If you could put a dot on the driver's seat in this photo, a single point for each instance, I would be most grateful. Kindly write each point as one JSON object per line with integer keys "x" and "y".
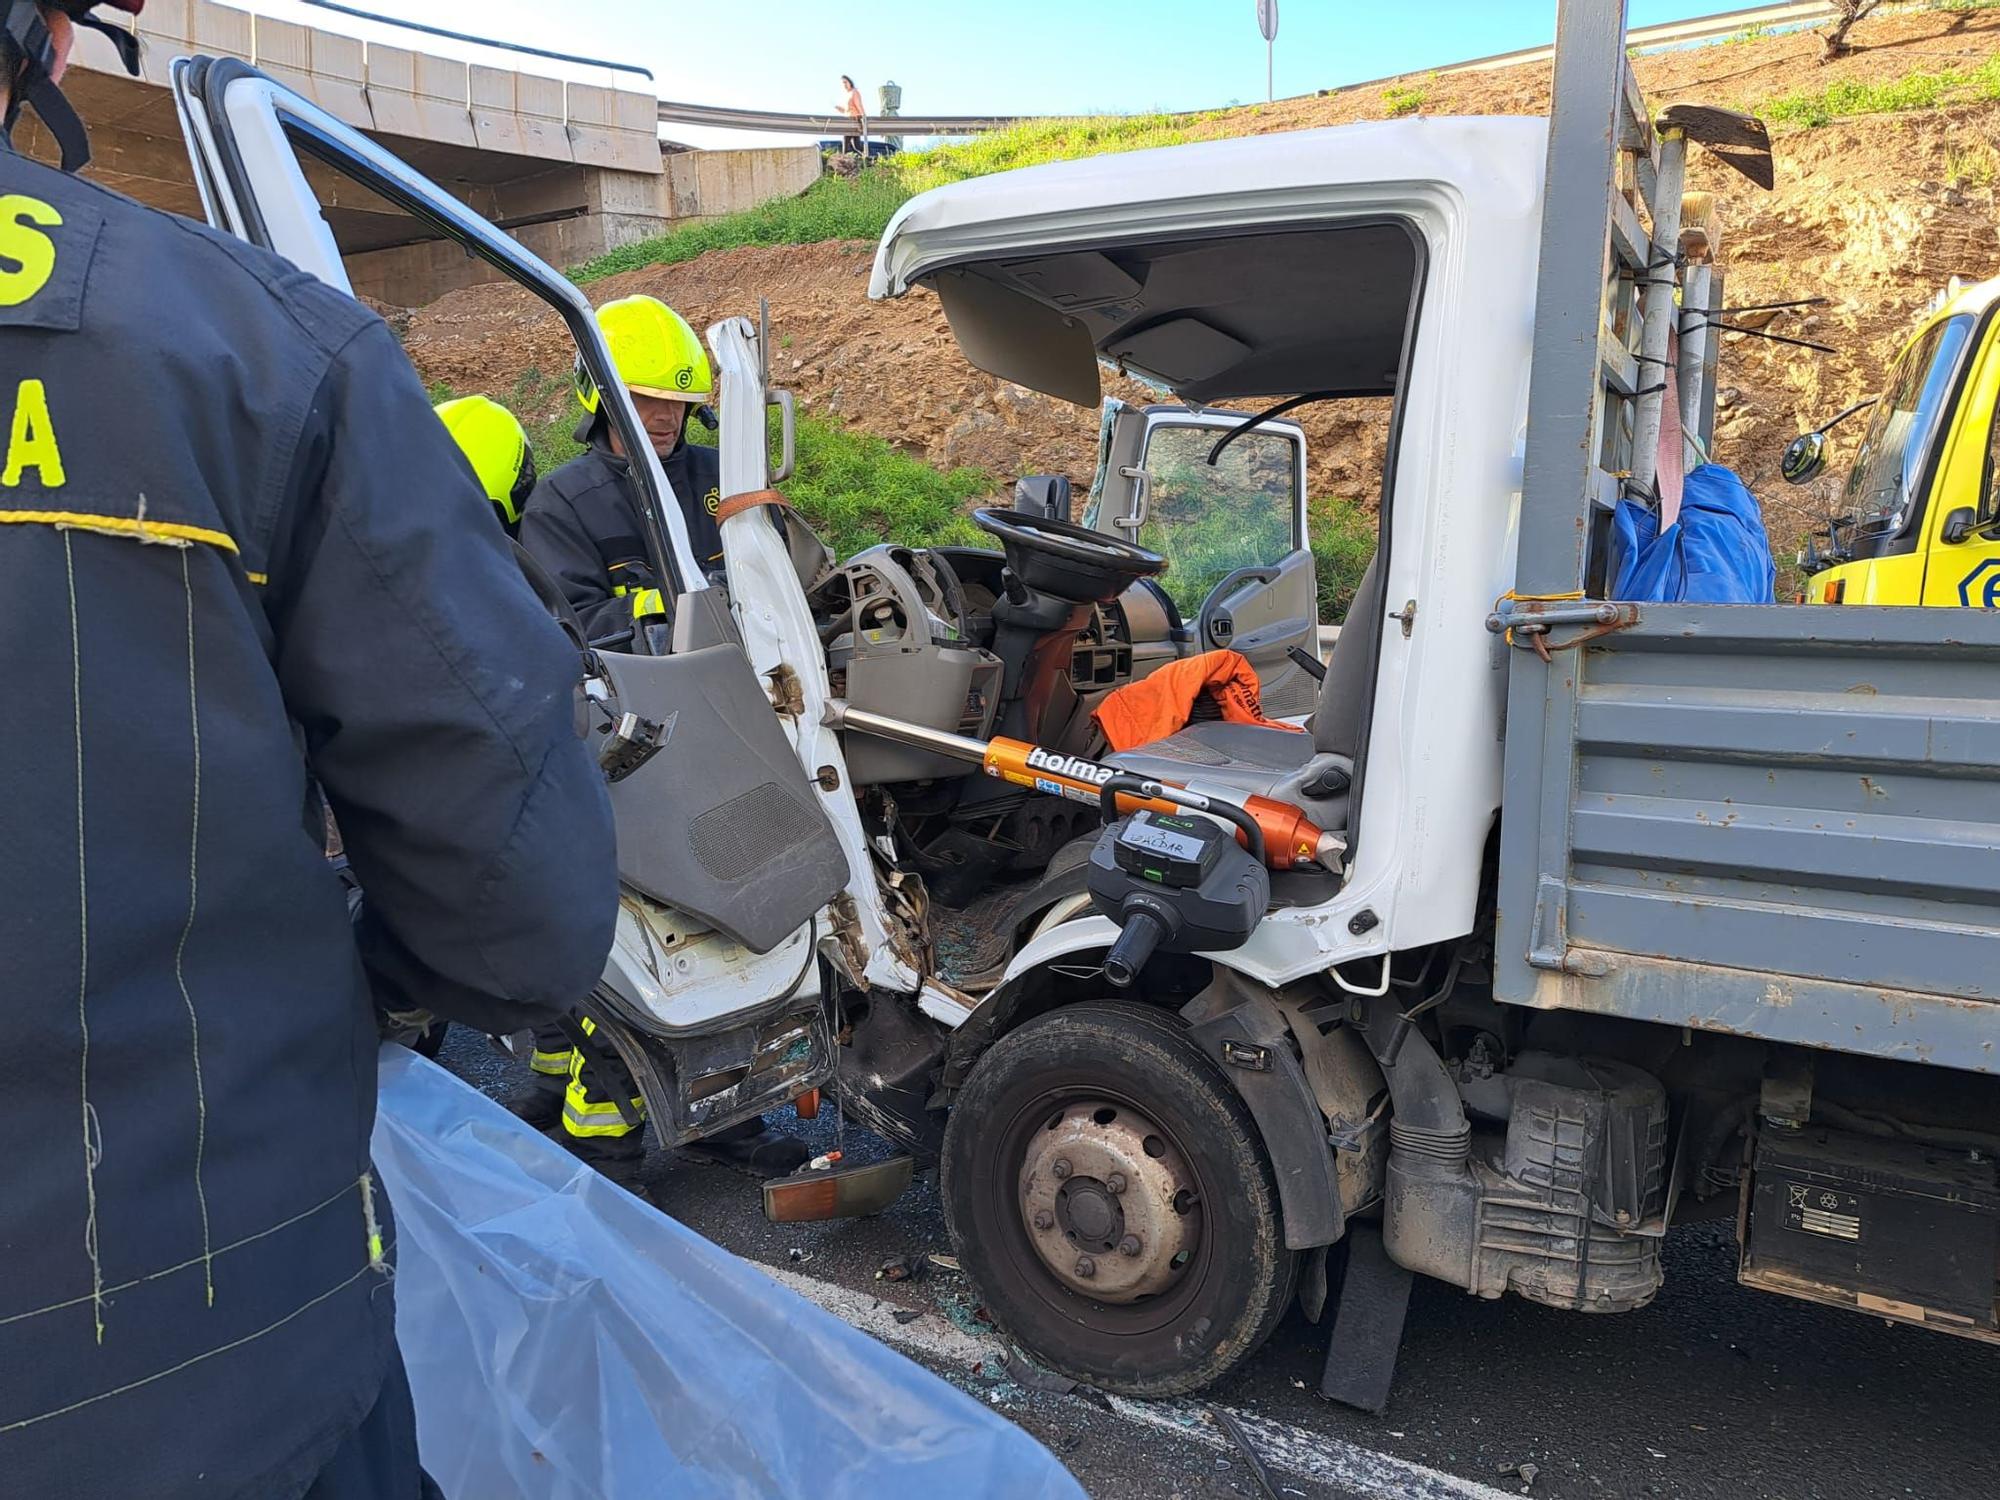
{"x": 1310, "y": 770}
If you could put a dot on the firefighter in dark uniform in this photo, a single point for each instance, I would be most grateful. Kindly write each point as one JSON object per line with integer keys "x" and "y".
{"x": 242, "y": 568}
{"x": 582, "y": 524}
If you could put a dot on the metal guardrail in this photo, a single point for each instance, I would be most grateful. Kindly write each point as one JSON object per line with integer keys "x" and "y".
{"x": 1672, "y": 33}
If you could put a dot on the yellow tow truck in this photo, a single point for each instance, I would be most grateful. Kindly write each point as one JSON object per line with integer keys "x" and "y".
{"x": 1918, "y": 521}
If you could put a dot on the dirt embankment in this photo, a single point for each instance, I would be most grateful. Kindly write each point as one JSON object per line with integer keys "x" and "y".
{"x": 1874, "y": 213}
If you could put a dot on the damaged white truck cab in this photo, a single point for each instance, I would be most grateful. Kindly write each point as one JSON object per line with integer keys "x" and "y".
{"x": 1370, "y": 262}
{"x": 1610, "y": 915}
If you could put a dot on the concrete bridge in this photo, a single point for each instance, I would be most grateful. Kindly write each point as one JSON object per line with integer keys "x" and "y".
{"x": 571, "y": 169}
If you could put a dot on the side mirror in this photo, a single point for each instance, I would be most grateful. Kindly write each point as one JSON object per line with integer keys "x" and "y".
{"x": 1805, "y": 457}
{"x": 1043, "y": 495}
{"x": 1960, "y": 525}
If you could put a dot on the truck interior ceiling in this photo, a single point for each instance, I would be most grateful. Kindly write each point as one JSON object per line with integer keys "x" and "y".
{"x": 1240, "y": 316}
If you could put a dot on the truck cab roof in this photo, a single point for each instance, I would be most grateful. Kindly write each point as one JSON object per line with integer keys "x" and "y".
{"x": 1954, "y": 300}
{"x": 1260, "y": 266}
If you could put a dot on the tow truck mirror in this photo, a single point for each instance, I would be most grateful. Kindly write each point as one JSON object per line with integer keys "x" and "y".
{"x": 1959, "y": 525}
{"x": 1805, "y": 457}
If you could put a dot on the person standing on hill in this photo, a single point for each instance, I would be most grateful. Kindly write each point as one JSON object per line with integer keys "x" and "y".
{"x": 245, "y": 574}
{"x": 852, "y": 107}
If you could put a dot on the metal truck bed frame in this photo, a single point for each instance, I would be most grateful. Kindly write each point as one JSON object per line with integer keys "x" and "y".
{"x": 1780, "y": 821}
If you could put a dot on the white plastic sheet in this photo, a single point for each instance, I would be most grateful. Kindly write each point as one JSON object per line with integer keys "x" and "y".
{"x": 567, "y": 1342}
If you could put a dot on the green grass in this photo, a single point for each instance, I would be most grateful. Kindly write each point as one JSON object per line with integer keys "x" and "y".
{"x": 855, "y": 489}
{"x": 1034, "y": 142}
{"x": 1343, "y": 537}
{"x": 860, "y": 207}
{"x": 833, "y": 208}
{"x": 1404, "y": 99}
{"x": 1913, "y": 91}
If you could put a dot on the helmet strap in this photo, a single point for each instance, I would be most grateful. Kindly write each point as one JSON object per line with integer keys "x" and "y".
{"x": 125, "y": 41}
{"x": 39, "y": 93}
{"x": 25, "y": 42}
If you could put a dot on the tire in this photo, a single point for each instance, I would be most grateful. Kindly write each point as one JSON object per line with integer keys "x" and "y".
{"x": 1217, "y": 1276}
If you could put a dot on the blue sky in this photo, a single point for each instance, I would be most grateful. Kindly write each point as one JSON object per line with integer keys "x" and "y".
{"x": 992, "y": 56}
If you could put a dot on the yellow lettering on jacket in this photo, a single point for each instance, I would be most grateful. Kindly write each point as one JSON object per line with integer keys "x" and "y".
{"x": 31, "y": 440}
{"x": 27, "y": 256}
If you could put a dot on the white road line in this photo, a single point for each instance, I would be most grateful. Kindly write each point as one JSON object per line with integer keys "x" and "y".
{"x": 1319, "y": 1457}
{"x": 1316, "y": 1456}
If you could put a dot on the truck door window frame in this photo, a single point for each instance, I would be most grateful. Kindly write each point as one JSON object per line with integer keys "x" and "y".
{"x": 303, "y": 128}
{"x": 1940, "y": 356}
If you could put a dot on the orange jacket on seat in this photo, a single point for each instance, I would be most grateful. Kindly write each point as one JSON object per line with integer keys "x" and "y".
{"x": 1157, "y": 706}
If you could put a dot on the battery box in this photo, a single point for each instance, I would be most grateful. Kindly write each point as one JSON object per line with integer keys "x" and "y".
{"x": 1890, "y": 1227}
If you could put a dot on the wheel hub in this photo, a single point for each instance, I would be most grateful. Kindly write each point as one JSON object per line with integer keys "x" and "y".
{"x": 1109, "y": 1204}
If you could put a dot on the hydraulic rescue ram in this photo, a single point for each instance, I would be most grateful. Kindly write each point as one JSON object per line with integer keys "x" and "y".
{"x": 1290, "y": 838}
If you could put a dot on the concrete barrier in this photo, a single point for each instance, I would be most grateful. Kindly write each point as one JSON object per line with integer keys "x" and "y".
{"x": 707, "y": 184}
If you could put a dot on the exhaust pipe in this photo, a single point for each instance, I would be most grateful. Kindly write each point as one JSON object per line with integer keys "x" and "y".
{"x": 1430, "y": 1210}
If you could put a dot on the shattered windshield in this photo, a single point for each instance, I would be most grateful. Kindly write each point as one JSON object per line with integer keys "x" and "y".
{"x": 1889, "y": 466}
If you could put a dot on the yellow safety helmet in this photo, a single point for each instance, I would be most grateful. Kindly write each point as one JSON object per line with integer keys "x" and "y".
{"x": 497, "y": 446}
{"x": 655, "y": 351}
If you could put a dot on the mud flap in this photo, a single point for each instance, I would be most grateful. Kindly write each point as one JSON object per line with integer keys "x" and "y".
{"x": 885, "y": 1072}
{"x": 1254, "y": 1048}
{"x": 1368, "y": 1328}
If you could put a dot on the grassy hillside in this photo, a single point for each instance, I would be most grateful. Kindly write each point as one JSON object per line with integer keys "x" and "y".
{"x": 852, "y": 486}
{"x": 857, "y": 490}
{"x": 860, "y": 207}
{"x": 1889, "y": 185}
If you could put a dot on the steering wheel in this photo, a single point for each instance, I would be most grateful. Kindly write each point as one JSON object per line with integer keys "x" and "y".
{"x": 1066, "y": 560}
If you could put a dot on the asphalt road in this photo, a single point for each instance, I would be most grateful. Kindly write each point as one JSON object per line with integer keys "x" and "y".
{"x": 1713, "y": 1391}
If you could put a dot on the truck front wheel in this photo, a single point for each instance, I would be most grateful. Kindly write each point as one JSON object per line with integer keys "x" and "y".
{"x": 1108, "y": 1194}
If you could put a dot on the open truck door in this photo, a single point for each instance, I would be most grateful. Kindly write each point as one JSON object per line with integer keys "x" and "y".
{"x": 1241, "y": 575}
{"x": 744, "y": 876}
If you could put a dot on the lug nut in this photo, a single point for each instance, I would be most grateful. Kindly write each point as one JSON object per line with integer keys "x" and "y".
{"x": 1044, "y": 1220}
{"x": 1115, "y": 1183}
{"x": 1130, "y": 1245}
{"x": 1061, "y": 1168}
{"x": 1085, "y": 1266}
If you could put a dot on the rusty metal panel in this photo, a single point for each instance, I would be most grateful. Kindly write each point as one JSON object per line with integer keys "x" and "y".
{"x": 1782, "y": 821}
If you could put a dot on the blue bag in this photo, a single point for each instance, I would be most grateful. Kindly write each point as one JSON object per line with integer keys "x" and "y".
{"x": 1716, "y": 552}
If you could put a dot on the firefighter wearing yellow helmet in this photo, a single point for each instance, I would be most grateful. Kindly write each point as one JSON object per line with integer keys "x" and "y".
{"x": 582, "y": 522}
{"x": 496, "y": 445}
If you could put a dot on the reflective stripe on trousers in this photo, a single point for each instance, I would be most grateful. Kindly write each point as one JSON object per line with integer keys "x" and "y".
{"x": 588, "y": 1113}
